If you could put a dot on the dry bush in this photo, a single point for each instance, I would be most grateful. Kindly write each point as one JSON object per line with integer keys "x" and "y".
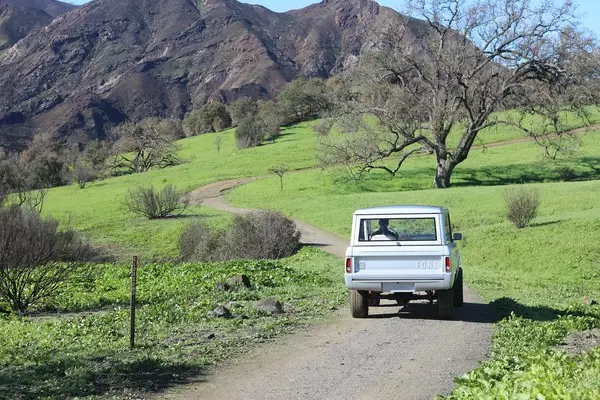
{"x": 198, "y": 242}
{"x": 521, "y": 206}
{"x": 259, "y": 235}
{"x": 154, "y": 204}
{"x": 37, "y": 258}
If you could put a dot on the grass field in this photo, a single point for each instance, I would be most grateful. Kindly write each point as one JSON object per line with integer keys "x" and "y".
{"x": 540, "y": 273}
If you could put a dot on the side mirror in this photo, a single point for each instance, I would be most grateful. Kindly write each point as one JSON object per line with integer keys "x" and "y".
{"x": 457, "y": 236}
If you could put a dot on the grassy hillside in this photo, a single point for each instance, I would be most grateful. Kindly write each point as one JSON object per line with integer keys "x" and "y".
{"x": 98, "y": 209}
{"x": 537, "y": 276}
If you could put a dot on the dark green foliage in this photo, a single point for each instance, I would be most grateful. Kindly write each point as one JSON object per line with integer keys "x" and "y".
{"x": 243, "y": 108}
{"x": 250, "y": 133}
{"x": 153, "y": 203}
{"x": 304, "y": 99}
{"x": 37, "y": 258}
{"x": 271, "y": 116}
{"x": 211, "y": 117}
{"x": 258, "y": 235}
{"x": 521, "y": 205}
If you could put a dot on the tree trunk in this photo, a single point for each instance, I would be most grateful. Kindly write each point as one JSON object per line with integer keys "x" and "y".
{"x": 443, "y": 173}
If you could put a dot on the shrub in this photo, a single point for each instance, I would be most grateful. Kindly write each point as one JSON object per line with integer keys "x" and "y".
{"x": 83, "y": 174}
{"x": 250, "y": 133}
{"x": 263, "y": 235}
{"x": 211, "y": 117}
{"x": 37, "y": 258}
{"x": 153, "y": 203}
{"x": 197, "y": 242}
{"x": 243, "y": 108}
{"x": 521, "y": 206}
{"x": 259, "y": 235}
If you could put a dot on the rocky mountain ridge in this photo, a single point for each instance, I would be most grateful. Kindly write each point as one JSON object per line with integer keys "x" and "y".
{"x": 114, "y": 60}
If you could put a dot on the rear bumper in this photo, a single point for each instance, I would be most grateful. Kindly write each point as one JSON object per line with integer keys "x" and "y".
{"x": 399, "y": 285}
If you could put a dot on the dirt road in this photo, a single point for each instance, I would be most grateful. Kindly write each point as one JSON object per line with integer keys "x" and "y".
{"x": 399, "y": 352}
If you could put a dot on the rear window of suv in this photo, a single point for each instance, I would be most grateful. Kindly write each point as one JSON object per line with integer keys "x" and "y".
{"x": 397, "y": 229}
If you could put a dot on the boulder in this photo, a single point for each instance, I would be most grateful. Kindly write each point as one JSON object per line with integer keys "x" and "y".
{"x": 219, "y": 312}
{"x": 270, "y": 306}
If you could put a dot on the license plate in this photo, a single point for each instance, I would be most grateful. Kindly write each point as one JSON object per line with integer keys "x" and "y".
{"x": 399, "y": 287}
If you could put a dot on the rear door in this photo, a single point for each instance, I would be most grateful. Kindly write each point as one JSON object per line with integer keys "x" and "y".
{"x": 398, "y": 247}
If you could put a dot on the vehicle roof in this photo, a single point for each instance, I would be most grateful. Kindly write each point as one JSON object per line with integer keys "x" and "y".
{"x": 401, "y": 210}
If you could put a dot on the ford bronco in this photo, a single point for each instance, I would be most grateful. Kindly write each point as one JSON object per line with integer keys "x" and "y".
{"x": 403, "y": 253}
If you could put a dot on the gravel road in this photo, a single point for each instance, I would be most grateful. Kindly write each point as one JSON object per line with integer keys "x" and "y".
{"x": 397, "y": 353}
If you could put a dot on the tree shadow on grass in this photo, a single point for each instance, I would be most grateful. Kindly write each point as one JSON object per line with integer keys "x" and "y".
{"x": 588, "y": 168}
{"x": 67, "y": 377}
{"x": 506, "y": 306}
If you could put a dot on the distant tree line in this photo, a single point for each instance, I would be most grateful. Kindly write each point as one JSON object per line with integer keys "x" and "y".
{"x": 135, "y": 147}
{"x": 259, "y": 120}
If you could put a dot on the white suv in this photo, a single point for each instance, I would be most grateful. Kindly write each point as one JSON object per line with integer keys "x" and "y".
{"x": 396, "y": 252}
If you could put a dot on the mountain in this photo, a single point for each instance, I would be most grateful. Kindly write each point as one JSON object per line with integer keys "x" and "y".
{"x": 114, "y": 60}
{"x": 53, "y": 8}
{"x": 16, "y": 22}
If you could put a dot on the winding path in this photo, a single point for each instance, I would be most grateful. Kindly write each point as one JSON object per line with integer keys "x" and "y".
{"x": 399, "y": 352}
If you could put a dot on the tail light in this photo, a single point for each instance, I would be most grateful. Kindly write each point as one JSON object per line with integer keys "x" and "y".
{"x": 348, "y": 265}
{"x": 448, "y": 264}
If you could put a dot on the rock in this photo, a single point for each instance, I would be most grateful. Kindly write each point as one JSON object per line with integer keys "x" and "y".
{"x": 270, "y": 306}
{"x": 210, "y": 336}
{"x": 239, "y": 281}
{"x": 589, "y": 301}
{"x": 219, "y": 312}
{"x": 223, "y": 286}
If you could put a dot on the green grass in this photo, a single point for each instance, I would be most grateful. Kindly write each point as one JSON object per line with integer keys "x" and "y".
{"x": 87, "y": 355}
{"x": 98, "y": 209}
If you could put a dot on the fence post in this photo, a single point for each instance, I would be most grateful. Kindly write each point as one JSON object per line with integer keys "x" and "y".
{"x": 134, "y": 266}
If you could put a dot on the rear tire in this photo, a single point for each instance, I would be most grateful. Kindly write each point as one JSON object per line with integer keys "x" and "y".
{"x": 458, "y": 289}
{"x": 445, "y": 303}
{"x": 359, "y": 303}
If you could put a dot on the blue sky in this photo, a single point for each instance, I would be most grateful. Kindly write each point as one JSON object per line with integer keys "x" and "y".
{"x": 589, "y": 9}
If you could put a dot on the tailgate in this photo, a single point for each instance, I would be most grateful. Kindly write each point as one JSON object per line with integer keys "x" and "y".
{"x": 401, "y": 265}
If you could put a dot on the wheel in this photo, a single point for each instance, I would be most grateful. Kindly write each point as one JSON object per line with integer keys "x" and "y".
{"x": 458, "y": 288}
{"x": 445, "y": 302}
{"x": 359, "y": 303}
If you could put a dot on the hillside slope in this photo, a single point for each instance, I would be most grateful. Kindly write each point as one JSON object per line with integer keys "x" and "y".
{"x": 16, "y": 22}
{"x": 113, "y": 60}
{"x": 53, "y": 8}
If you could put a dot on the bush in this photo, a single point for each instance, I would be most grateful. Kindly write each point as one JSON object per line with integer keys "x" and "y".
{"x": 250, "y": 133}
{"x": 153, "y": 204}
{"x": 37, "y": 258}
{"x": 198, "y": 242}
{"x": 211, "y": 117}
{"x": 256, "y": 236}
{"x": 521, "y": 206}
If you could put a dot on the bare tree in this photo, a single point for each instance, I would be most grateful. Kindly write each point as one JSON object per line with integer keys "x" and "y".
{"x": 37, "y": 258}
{"x": 452, "y": 72}
{"x": 145, "y": 145}
{"x": 218, "y": 143}
{"x": 26, "y": 186}
{"x": 279, "y": 170}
